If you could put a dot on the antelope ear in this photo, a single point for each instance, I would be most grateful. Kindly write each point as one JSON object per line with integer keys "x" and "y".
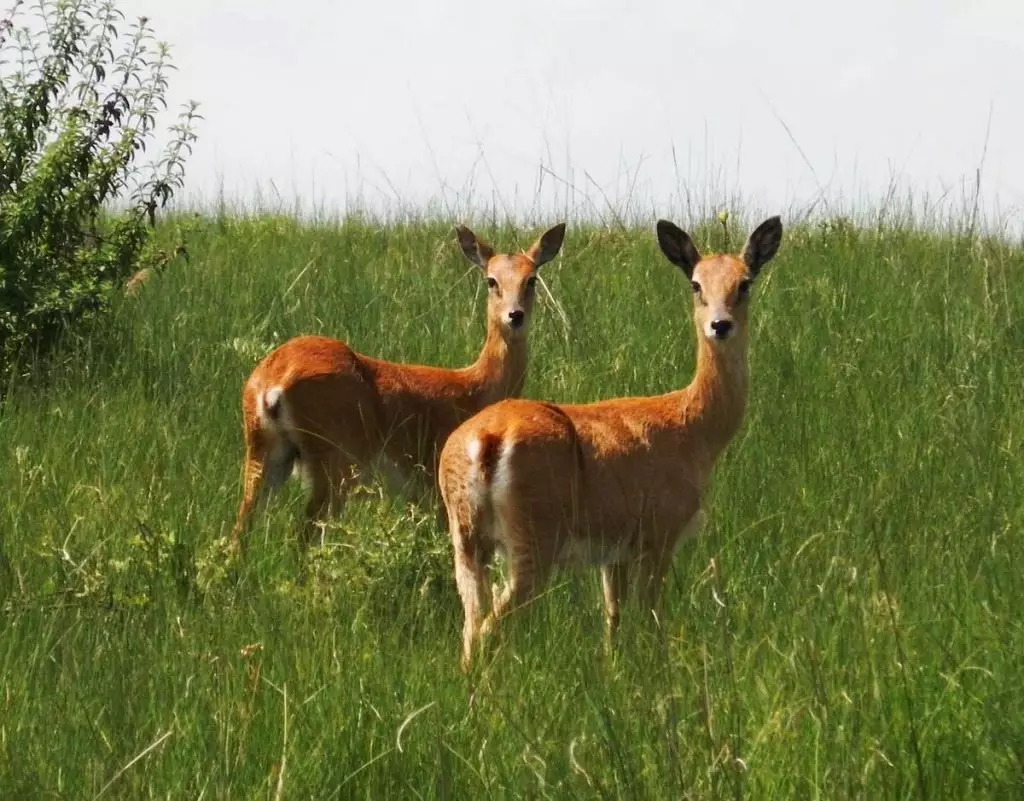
{"x": 677, "y": 246}
{"x": 762, "y": 244}
{"x": 476, "y": 250}
{"x": 547, "y": 245}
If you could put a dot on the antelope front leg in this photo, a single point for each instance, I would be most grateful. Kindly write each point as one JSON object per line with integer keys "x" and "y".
{"x": 525, "y": 577}
{"x": 655, "y": 563}
{"x": 330, "y": 487}
{"x": 653, "y": 567}
{"x": 615, "y": 583}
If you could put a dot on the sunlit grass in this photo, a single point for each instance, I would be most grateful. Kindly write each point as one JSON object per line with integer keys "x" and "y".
{"x": 847, "y": 626}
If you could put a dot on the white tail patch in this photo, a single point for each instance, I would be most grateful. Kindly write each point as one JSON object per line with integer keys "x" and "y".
{"x": 502, "y": 480}
{"x": 473, "y": 449}
{"x": 273, "y": 413}
{"x": 489, "y": 485}
{"x": 502, "y": 499}
{"x": 272, "y": 397}
{"x": 477, "y": 487}
{"x": 282, "y": 460}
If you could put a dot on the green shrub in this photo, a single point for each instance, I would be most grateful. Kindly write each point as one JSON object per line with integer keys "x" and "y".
{"x": 78, "y": 104}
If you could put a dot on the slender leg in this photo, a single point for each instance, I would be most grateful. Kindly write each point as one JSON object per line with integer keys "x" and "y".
{"x": 318, "y": 505}
{"x": 655, "y": 564}
{"x": 524, "y": 579}
{"x": 474, "y": 591}
{"x": 330, "y": 485}
{"x": 615, "y": 583}
{"x": 252, "y": 488}
{"x": 653, "y": 567}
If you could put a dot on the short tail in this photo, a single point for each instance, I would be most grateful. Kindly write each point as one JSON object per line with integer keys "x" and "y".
{"x": 477, "y": 512}
{"x": 272, "y": 407}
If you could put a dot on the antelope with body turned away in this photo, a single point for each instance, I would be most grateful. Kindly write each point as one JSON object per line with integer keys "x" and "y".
{"x": 613, "y": 484}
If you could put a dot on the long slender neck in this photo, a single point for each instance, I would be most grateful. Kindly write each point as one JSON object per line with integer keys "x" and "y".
{"x": 500, "y": 370}
{"x": 715, "y": 401}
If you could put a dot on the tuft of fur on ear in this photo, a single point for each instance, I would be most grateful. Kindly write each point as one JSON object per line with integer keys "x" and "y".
{"x": 476, "y": 250}
{"x": 547, "y": 245}
{"x": 677, "y": 246}
{"x": 762, "y": 244}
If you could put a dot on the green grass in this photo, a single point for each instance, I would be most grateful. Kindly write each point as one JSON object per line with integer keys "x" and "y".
{"x": 848, "y": 625}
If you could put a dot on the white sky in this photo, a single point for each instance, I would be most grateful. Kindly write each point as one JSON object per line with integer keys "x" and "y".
{"x": 405, "y": 102}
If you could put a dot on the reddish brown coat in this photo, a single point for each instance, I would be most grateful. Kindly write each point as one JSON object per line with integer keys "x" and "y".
{"x": 613, "y": 484}
{"x": 336, "y": 414}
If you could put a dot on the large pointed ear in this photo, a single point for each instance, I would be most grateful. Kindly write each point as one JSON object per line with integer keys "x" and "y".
{"x": 762, "y": 244}
{"x": 547, "y": 245}
{"x": 677, "y": 246}
{"x": 476, "y": 250}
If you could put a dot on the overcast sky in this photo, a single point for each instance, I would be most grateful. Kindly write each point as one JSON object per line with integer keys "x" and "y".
{"x": 536, "y": 105}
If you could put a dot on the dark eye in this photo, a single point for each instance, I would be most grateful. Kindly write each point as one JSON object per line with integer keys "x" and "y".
{"x": 492, "y": 282}
{"x": 744, "y": 287}
{"x": 531, "y": 282}
{"x": 696, "y": 287}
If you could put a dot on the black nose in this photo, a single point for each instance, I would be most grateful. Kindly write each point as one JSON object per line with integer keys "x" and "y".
{"x": 721, "y": 328}
{"x": 516, "y": 317}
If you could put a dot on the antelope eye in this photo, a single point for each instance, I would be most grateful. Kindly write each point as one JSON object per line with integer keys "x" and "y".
{"x": 696, "y": 287}
{"x": 531, "y": 282}
{"x": 492, "y": 282}
{"x": 744, "y": 287}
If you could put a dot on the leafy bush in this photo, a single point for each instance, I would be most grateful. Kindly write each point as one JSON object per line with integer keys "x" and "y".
{"x": 78, "y": 104}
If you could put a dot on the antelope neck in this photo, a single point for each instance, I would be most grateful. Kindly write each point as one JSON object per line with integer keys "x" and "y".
{"x": 716, "y": 399}
{"x": 501, "y": 366}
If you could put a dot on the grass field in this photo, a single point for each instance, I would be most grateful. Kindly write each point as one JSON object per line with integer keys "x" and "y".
{"x": 844, "y": 628}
